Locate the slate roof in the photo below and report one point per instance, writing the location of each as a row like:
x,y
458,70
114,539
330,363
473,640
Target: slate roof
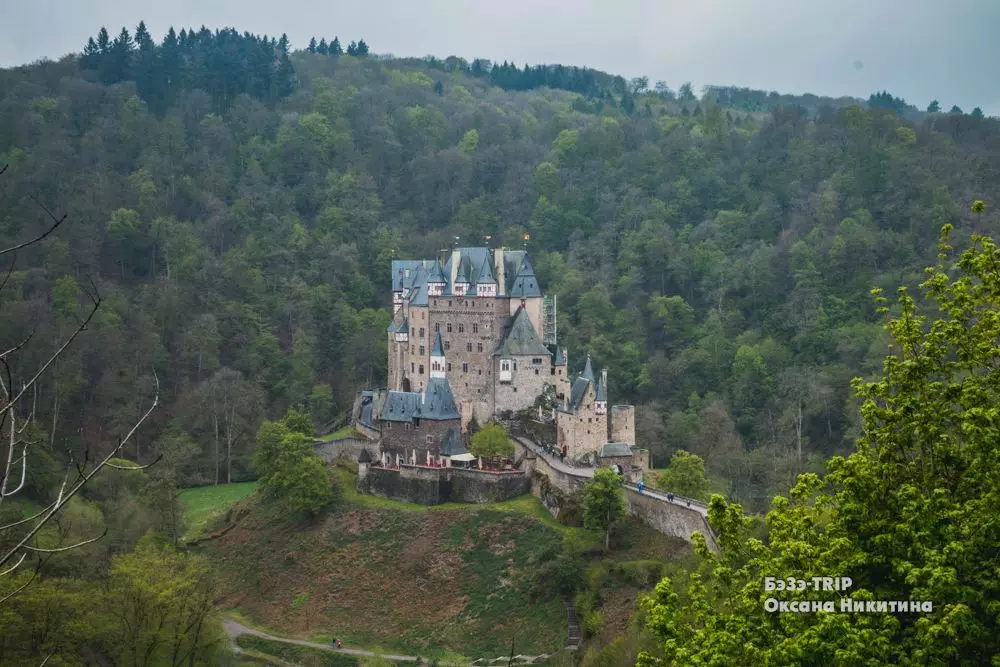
x,y
484,276
452,444
525,284
438,350
365,456
476,266
615,449
601,391
436,274
588,370
401,327
560,357
520,338
367,403
436,403
577,391
400,279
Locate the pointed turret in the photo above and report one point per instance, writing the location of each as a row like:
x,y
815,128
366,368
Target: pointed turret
x,y
525,284
601,400
486,283
588,371
560,357
437,358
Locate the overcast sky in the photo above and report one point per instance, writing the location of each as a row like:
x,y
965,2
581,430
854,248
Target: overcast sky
x,y
916,49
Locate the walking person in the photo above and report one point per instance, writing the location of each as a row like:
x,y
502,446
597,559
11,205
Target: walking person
x,y
670,497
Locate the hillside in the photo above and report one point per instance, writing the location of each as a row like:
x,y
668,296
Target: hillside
x,y
415,581
718,263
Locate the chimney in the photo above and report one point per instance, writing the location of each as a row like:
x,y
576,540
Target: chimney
x,y
498,272
604,380
456,259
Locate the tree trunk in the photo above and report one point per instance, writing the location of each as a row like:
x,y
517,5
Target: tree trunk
x,y
55,416
216,420
229,445
798,432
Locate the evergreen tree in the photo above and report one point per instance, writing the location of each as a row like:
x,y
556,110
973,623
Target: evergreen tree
x,y
312,45
934,107
956,109
362,49
91,55
121,56
352,48
142,38
335,48
285,76
103,42
977,113
283,44
439,87
322,47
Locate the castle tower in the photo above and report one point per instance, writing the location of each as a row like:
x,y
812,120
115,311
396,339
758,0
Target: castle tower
x,y
437,358
601,400
562,372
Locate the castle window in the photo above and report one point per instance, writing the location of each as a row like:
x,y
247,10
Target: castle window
x,y
449,327
465,368
447,345
430,439
407,427
437,327
553,371
422,350
475,328
461,328
421,369
468,347
449,368
412,370
515,389
449,302
480,371
536,371
589,420
416,422
421,334
536,360
480,346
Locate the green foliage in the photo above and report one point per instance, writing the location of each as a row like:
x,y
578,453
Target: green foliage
x,y
902,517
684,476
298,420
603,502
298,478
491,442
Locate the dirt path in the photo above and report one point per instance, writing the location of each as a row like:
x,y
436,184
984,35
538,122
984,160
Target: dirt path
x,y
234,629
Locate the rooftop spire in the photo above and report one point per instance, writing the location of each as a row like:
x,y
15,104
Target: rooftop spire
x,y
588,370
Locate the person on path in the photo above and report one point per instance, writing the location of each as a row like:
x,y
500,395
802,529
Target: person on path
x,y
642,485
670,497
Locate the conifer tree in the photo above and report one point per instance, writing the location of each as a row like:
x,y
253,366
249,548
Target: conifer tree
x,y
977,113
352,48
362,48
91,55
934,107
282,44
322,48
335,48
312,45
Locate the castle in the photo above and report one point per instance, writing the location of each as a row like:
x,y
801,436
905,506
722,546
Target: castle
x,y
472,338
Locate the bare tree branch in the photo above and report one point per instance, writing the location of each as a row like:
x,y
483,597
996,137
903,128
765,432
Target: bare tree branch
x,y
56,222
14,566
27,519
148,465
18,346
13,261
72,546
64,496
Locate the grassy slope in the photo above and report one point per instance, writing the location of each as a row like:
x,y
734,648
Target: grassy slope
x,y
397,576
205,503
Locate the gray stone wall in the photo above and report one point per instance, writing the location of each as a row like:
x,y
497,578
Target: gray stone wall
x,y
397,439
473,486
432,486
668,518
476,326
583,431
345,448
623,424
528,380
412,484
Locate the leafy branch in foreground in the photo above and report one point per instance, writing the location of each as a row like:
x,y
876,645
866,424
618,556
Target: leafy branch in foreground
x,y
910,516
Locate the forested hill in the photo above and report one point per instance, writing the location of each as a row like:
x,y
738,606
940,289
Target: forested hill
x,y
718,262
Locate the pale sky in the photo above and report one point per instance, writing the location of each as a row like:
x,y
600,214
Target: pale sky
x,y
916,49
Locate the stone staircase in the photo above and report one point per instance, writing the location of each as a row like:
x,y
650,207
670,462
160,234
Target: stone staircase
x,y
573,621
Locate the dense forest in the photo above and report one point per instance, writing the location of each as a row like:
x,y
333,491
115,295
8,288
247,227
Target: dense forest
x,y
236,204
